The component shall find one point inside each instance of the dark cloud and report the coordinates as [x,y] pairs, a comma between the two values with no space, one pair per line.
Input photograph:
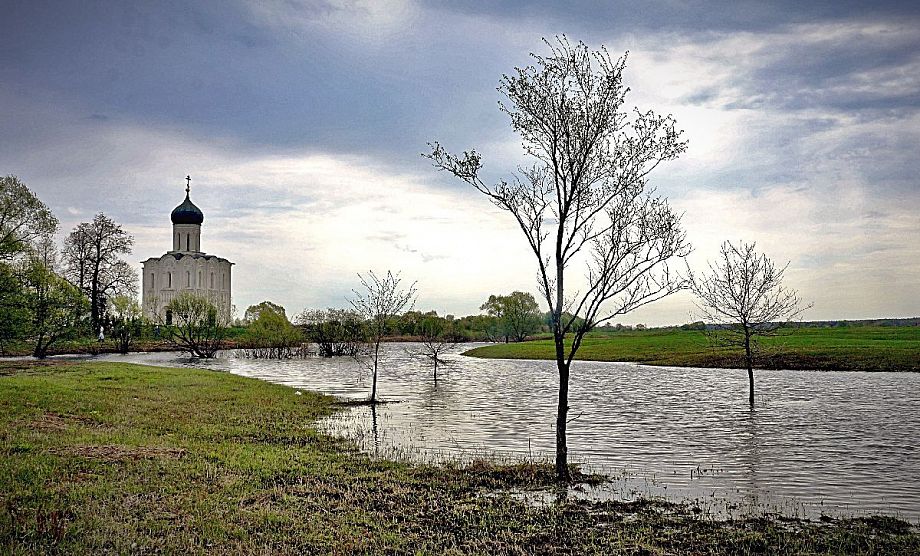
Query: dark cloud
[693,16]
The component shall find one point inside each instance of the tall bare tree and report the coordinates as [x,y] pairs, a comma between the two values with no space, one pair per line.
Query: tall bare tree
[584,202]
[92,262]
[24,219]
[743,294]
[380,299]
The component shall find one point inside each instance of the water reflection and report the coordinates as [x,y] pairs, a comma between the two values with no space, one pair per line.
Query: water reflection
[815,442]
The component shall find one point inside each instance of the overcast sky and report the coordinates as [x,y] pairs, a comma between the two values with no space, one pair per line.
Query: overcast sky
[301,123]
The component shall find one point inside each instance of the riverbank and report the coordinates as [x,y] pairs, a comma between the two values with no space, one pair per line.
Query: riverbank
[854,348]
[127,459]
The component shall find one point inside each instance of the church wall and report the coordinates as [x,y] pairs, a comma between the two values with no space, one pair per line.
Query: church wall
[185,268]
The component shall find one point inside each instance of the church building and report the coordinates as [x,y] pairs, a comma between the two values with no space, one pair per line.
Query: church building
[186,268]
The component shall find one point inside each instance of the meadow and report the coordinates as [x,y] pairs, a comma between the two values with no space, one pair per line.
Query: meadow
[119,458]
[848,348]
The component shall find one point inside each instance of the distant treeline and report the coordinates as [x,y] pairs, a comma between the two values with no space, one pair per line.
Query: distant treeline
[700,325]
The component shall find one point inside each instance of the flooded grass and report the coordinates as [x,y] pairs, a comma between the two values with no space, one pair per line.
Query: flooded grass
[141,459]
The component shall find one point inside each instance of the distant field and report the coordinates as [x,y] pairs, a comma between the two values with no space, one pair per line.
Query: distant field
[853,348]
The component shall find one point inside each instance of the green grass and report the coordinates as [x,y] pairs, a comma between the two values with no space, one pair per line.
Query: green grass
[855,348]
[115,458]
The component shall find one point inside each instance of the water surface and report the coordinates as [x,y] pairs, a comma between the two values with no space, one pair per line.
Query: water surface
[816,442]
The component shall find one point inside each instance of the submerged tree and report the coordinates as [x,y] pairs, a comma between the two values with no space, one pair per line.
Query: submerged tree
[92,258]
[380,299]
[743,294]
[271,334]
[196,325]
[584,204]
[437,336]
[335,332]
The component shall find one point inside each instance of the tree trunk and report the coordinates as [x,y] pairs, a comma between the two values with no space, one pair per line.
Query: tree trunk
[562,449]
[374,382]
[750,368]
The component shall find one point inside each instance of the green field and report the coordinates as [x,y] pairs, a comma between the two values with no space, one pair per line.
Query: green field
[851,348]
[113,458]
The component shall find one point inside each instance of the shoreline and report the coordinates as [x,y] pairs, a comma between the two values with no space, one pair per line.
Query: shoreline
[244,470]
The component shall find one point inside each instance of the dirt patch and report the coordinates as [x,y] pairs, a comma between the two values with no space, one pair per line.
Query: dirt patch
[120,453]
[53,422]
[10,367]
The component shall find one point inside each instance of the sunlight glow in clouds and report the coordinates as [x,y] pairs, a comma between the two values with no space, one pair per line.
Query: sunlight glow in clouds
[301,123]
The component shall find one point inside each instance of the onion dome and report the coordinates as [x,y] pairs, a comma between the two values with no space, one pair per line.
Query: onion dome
[187,212]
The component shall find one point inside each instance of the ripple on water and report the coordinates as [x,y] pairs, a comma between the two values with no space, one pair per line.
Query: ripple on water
[815,442]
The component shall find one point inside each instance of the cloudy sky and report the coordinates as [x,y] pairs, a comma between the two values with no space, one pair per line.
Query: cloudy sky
[301,123]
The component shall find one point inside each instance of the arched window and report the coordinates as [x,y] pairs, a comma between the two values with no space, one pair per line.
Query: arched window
[212,280]
[186,242]
[153,281]
[188,278]
[199,279]
[169,279]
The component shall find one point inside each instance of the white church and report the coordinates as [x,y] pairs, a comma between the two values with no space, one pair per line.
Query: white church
[186,268]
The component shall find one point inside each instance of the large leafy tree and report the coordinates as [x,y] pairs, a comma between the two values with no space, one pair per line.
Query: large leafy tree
[271,333]
[14,307]
[24,219]
[518,314]
[196,326]
[92,259]
[55,307]
[334,331]
[601,238]
[127,321]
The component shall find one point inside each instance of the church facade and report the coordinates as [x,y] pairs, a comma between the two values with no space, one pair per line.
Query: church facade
[186,268]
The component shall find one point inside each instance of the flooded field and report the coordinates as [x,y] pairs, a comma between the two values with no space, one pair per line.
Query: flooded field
[816,442]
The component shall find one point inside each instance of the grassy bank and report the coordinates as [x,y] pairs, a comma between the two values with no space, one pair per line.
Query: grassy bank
[107,457]
[856,348]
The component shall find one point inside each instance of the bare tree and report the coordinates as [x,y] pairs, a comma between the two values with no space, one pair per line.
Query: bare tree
[92,260]
[584,202]
[380,299]
[24,219]
[743,295]
[437,337]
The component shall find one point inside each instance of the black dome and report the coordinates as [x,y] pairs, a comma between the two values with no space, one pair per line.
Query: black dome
[187,213]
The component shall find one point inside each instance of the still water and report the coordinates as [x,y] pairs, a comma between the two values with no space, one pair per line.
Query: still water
[816,442]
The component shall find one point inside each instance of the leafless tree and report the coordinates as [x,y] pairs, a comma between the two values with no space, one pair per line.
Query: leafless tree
[92,261]
[743,295]
[437,337]
[380,299]
[584,203]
